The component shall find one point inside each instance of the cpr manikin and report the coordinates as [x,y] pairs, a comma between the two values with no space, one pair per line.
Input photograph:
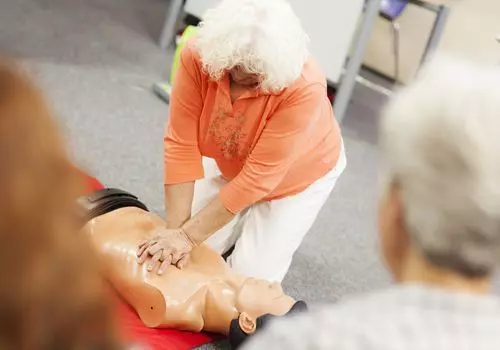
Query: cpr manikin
[206,295]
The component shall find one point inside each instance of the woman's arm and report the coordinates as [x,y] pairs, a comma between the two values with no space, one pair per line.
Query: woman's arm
[182,156]
[178,201]
[183,160]
[207,221]
[183,165]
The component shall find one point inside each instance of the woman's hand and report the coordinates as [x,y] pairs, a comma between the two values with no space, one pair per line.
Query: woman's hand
[171,246]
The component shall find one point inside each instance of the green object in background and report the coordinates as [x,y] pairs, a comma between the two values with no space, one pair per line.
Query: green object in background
[186,35]
[164,89]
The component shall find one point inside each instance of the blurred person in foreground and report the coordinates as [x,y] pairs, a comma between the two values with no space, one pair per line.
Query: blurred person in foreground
[439,225]
[51,292]
[251,123]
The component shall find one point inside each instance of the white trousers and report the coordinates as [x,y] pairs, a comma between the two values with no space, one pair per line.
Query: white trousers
[267,234]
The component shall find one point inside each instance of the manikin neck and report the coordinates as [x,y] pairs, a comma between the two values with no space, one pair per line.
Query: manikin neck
[224,309]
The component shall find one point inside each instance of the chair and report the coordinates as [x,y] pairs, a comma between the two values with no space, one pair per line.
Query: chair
[391,10]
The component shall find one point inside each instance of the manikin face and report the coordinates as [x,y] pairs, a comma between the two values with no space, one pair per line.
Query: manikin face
[394,241]
[250,298]
[242,77]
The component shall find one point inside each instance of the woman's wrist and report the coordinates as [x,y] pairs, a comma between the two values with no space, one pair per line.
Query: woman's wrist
[176,221]
[188,237]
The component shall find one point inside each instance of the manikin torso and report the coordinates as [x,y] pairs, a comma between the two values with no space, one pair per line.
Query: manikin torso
[204,295]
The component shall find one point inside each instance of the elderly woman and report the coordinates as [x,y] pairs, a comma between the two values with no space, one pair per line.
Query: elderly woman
[439,226]
[250,115]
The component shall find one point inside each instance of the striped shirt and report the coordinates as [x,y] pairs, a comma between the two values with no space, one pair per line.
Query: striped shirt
[408,317]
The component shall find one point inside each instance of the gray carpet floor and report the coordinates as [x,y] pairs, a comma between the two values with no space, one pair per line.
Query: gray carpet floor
[97,60]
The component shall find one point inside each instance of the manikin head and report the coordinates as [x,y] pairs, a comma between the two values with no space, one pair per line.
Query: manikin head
[51,294]
[439,213]
[258,42]
[250,297]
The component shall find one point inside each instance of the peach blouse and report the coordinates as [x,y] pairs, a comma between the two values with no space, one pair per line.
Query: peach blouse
[267,146]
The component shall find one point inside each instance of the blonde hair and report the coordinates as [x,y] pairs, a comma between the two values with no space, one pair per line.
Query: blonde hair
[440,139]
[263,37]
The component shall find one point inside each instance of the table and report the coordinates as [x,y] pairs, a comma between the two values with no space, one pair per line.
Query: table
[345,90]
[442,13]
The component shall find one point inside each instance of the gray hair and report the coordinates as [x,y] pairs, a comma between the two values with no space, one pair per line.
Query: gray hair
[440,140]
[264,37]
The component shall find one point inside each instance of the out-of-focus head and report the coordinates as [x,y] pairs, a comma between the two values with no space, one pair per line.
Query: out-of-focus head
[32,153]
[257,41]
[51,293]
[440,147]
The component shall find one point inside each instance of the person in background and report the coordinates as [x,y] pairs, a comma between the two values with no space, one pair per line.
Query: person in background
[250,123]
[439,225]
[51,292]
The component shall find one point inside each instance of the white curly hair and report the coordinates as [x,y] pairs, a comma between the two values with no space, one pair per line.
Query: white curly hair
[263,37]
[440,139]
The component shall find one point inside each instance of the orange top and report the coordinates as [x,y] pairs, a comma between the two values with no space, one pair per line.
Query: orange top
[267,146]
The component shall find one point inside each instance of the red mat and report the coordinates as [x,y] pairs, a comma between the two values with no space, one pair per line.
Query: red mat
[137,333]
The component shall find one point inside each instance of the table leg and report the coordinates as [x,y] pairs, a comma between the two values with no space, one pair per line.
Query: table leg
[169,27]
[436,32]
[348,81]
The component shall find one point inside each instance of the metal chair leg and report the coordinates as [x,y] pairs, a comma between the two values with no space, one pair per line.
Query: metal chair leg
[170,26]
[396,40]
